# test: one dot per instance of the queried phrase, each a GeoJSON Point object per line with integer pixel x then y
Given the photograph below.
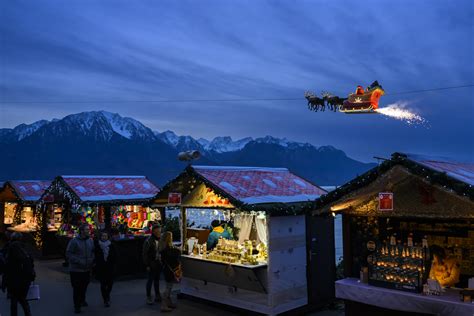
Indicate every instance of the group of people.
{"type": "Point", "coordinates": [88, 257]}
{"type": "Point", "coordinates": [98, 258]}
{"type": "Point", "coordinates": [160, 256]}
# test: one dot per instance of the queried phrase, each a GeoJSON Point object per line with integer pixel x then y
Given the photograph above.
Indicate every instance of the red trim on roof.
{"type": "Point", "coordinates": [106, 188]}
{"type": "Point", "coordinates": [260, 185]}
{"type": "Point", "coordinates": [29, 190]}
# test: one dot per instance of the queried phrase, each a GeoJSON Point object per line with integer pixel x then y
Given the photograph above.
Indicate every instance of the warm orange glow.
{"type": "Point", "coordinates": [375, 97]}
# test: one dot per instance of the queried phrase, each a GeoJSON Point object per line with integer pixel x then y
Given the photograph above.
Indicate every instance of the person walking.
{"type": "Point", "coordinates": [152, 260]}
{"type": "Point", "coordinates": [105, 259]}
{"type": "Point", "coordinates": [80, 254]}
{"type": "Point", "coordinates": [18, 275]}
{"type": "Point", "coordinates": [170, 258]}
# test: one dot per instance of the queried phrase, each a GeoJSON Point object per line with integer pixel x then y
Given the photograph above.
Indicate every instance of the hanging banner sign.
{"type": "Point", "coordinates": [386, 201]}
{"type": "Point", "coordinates": [174, 198]}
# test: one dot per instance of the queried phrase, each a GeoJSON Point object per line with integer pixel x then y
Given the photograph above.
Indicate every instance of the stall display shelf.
{"type": "Point", "coordinates": [248, 266]}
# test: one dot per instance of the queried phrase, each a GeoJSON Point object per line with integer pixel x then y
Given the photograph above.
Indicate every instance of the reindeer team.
{"type": "Point", "coordinates": [319, 104]}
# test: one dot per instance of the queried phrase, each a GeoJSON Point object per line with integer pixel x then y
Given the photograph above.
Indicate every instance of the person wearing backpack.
{"type": "Point", "coordinates": [19, 273]}
{"type": "Point", "coordinates": [170, 258]}
{"type": "Point", "coordinates": [80, 254]}
{"type": "Point", "coordinates": [152, 260]}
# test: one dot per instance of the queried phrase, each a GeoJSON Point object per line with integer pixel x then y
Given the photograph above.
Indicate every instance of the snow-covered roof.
{"type": "Point", "coordinates": [29, 190]}
{"type": "Point", "coordinates": [256, 185]}
{"type": "Point", "coordinates": [329, 188]}
{"type": "Point", "coordinates": [110, 188]}
{"type": "Point", "coordinates": [462, 171]}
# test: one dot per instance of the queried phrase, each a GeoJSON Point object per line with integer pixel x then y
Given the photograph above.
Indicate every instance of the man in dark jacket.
{"type": "Point", "coordinates": [152, 260]}
{"type": "Point", "coordinates": [80, 254]}
{"type": "Point", "coordinates": [19, 273]}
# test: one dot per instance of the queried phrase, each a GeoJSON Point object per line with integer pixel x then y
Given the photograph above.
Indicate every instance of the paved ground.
{"type": "Point", "coordinates": [127, 298]}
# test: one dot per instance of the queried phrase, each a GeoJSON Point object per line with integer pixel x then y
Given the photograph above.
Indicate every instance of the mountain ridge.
{"type": "Point", "coordinates": [100, 141]}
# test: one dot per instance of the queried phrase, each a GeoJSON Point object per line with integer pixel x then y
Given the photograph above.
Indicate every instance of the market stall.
{"type": "Point", "coordinates": [18, 202]}
{"type": "Point", "coordinates": [408, 233]}
{"type": "Point", "coordinates": [243, 235]}
{"type": "Point", "coordinates": [118, 204]}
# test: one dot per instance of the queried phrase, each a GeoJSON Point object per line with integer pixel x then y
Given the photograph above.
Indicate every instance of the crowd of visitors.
{"type": "Point", "coordinates": [90, 258]}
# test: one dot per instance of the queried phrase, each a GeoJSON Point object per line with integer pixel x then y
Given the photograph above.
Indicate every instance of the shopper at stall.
{"type": "Point", "coordinates": [152, 260]}
{"type": "Point", "coordinates": [105, 259]}
{"type": "Point", "coordinates": [217, 231]}
{"type": "Point", "coordinates": [80, 254]}
{"type": "Point", "coordinates": [444, 268]}
{"type": "Point", "coordinates": [18, 275]}
{"type": "Point", "coordinates": [170, 258]}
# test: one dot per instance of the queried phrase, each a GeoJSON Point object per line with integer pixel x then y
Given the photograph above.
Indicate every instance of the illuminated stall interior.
{"type": "Point", "coordinates": [118, 204]}
{"type": "Point", "coordinates": [238, 226]}
{"type": "Point", "coordinates": [18, 201]}
{"type": "Point", "coordinates": [399, 220]}
{"type": "Point", "coordinates": [115, 203]}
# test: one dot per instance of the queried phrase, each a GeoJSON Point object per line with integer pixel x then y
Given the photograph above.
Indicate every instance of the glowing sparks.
{"type": "Point", "coordinates": [400, 111]}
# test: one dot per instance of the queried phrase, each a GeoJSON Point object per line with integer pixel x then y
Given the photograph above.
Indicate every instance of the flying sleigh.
{"type": "Point", "coordinates": [361, 102]}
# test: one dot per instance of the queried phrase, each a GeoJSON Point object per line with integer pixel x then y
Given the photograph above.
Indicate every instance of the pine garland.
{"type": "Point", "coordinates": [432, 176]}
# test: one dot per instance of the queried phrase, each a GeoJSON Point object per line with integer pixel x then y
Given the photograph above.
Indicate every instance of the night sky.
{"type": "Point", "coordinates": [64, 57]}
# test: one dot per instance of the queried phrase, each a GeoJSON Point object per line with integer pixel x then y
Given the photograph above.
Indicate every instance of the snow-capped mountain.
{"type": "Point", "coordinates": [22, 131]}
{"type": "Point", "coordinates": [221, 144]}
{"type": "Point", "coordinates": [281, 142]}
{"type": "Point", "coordinates": [224, 144]}
{"type": "Point", "coordinates": [168, 137]}
{"type": "Point", "coordinates": [101, 142]}
{"type": "Point", "coordinates": [99, 125]}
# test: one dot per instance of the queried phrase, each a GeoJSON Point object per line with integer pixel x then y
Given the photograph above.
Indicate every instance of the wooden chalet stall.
{"type": "Point", "coordinates": [18, 202]}
{"type": "Point", "coordinates": [118, 204]}
{"type": "Point", "coordinates": [262, 266]}
{"type": "Point", "coordinates": [408, 228]}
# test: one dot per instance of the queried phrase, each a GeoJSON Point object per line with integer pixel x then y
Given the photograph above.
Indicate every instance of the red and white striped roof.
{"type": "Point", "coordinates": [111, 188]}
{"type": "Point", "coordinates": [254, 185]}
{"type": "Point", "coordinates": [29, 190]}
{"type": "Point", "coordinates": [462, 171]}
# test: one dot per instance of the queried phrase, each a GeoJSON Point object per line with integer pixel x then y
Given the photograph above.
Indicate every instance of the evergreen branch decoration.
{"type": "Point", "coordinates": [430, 175]}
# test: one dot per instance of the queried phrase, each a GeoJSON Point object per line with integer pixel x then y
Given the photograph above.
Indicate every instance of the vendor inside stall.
{"type": "Point", "coordinates": [218, 231]}
{"type": "Point", "coordinates": [226, 236]}
{"type": "Point", "coordinates": [445, 269]}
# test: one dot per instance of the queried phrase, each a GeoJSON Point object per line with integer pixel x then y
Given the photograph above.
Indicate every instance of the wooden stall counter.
{"type": "Point", "coordinates": [237, 275]}
{"type": "Point", "coordinates": [388, 300]}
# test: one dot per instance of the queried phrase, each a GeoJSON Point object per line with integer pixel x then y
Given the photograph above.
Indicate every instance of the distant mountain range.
{"type": "Point", "coordinates": [100, 142]}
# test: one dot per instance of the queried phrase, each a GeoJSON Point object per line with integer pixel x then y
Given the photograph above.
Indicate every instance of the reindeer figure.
{"type": "Point", "coordinates": [333, 102]}
{"type": "Point", "coordinates": [314, 103]}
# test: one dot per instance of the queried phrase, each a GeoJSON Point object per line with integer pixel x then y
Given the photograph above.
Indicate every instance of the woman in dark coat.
{"type": "Point", "coordinates": [105, 259]}
{"type": "Point", "coordinates": [170, 258]}
{"type": "Point", "coordinates": [19, 273]}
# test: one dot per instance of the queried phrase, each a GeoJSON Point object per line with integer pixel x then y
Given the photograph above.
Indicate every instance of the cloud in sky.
{"type": "Point", "coordinates": [98, 52]}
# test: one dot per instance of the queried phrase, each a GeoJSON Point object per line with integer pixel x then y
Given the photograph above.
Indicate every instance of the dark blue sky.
{"type": "Point", "coordinates": [101, 51]}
